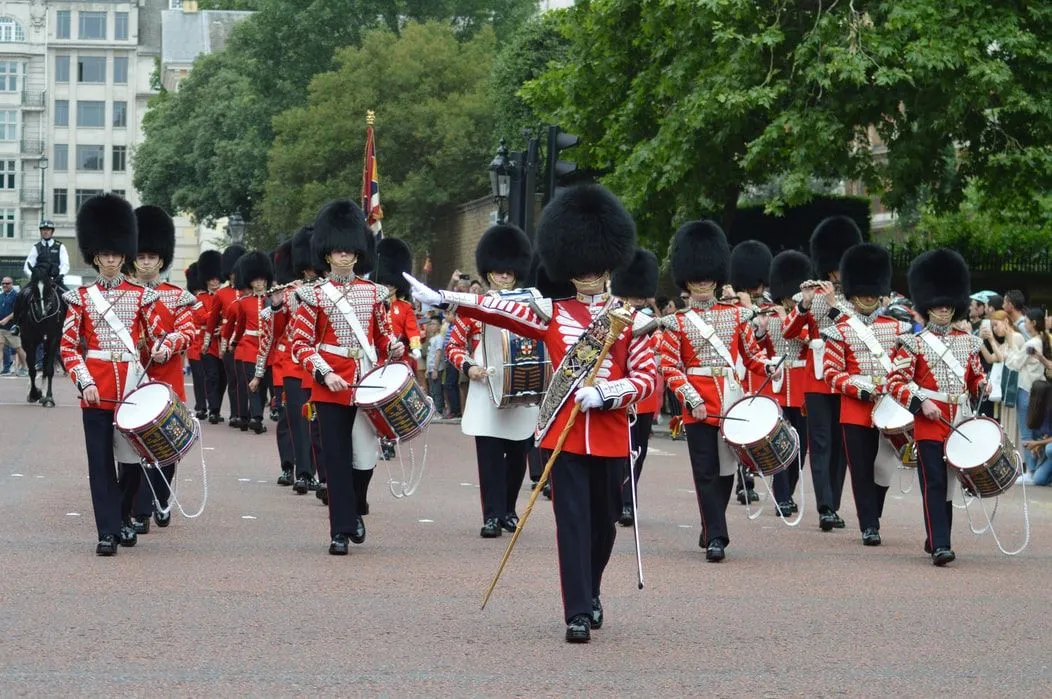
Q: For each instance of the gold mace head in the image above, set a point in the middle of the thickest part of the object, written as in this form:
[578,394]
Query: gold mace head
[620,318]
[370,117]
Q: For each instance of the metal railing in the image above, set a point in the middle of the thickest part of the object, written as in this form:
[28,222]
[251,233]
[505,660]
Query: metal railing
[33,98]
[32,146]
[31,197]
[1023,261]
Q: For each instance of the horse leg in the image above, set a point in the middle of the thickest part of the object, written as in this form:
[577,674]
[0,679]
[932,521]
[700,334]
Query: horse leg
[31,364]
[52,342]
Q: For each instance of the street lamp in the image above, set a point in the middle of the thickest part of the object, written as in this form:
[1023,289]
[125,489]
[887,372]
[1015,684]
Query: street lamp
[42,164]
[500,179]
[235,228]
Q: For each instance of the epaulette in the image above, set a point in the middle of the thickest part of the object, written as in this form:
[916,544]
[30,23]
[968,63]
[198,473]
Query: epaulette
[307,293]
[544,307]
[186,299]
[748,313]
[149,296]
[266,313]
[975,343]
[670,322]
[382,292]
[832,333]
[72,297]
[908,341]
[643,324]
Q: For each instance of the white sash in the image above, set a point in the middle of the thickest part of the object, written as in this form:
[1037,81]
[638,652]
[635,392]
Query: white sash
[709,334]
[344,307]
[964,407]
[731,388]
[865,333]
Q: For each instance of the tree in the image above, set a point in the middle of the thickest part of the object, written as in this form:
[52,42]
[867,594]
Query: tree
[688,104]
[430,95]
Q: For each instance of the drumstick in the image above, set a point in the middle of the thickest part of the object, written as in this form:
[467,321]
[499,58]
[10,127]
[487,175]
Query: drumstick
[110,400]
[950,425]
[727,417]
[768,379]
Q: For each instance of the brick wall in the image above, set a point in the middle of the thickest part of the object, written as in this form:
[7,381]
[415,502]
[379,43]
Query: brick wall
[456,238]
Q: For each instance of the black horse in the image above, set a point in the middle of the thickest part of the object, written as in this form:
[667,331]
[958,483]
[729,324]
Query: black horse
[40,312]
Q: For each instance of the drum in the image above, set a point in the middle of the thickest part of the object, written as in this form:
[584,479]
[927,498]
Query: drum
[896,424]
[519,368]
[158,426]
[760,436]
[394,402]
[984,459]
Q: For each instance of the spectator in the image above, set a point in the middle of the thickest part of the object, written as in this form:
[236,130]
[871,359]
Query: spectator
[460,281]
[1015,307]
[1033,361]
[662,303]
[8,336]
[1039,447]
[993,304]
[450,378]
[999,340]
[436,362]
[977,311]
[476,287]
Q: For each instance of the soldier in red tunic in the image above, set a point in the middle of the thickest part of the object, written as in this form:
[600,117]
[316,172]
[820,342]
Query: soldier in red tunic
[104,326]
[935,374]
[584,233]
[272,362]
[255,274]
[193,354]
[706,350]
[221,374]
[857,363]
[210,269]
[153,258]
[341,329]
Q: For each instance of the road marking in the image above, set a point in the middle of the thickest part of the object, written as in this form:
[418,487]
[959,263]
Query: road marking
[17,475]
[684,526]
[659,452]
[209,448]
[681,490]
[262,481]
[38,476]
[468,484]
[73,514]
[244,480]
[426,521]
[247,517]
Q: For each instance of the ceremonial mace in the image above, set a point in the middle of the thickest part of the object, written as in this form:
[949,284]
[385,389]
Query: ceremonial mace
[620,319]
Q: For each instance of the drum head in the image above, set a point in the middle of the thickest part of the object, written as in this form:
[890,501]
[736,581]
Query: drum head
[145,404]
[758,416]
[494,353]
[986,438]
[381,383]
[889,415]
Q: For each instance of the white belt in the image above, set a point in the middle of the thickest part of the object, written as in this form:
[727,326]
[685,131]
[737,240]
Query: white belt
[715,371]
[797,364]
[345,352]
[111,356]
[948,398]
[250,333]
[869,381]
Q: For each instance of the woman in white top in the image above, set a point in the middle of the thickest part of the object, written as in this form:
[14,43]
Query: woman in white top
[1033,361]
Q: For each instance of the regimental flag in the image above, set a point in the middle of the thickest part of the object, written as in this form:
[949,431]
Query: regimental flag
[371,182]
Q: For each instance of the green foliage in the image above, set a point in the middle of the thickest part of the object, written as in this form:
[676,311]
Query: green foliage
[430,95]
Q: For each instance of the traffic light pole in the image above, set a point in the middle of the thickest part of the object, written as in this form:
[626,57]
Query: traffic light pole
[530,189]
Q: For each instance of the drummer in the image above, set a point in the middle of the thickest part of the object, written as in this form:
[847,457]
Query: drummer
[705,351]
[100,353]
[934,374]
[503,436]
[156,248]
[340,330]
[856,366]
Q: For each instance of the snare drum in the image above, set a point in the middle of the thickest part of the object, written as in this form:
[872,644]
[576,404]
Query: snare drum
[158,426]
[394,402]
[896,424]
[762,439]
[519,368]
[987,465]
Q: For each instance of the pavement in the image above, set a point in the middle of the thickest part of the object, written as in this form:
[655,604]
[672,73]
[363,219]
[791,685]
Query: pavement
[245,601]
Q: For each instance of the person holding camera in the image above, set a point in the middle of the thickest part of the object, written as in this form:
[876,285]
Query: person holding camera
[1033,361]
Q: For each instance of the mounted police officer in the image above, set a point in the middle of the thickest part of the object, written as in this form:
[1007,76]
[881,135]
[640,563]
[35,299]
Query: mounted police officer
[47,249]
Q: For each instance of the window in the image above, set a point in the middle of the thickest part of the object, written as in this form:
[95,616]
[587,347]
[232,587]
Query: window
[91,69]
[119,193]
[120,113]
[175,4]
[62,31]
[120,70]
[62,69]
[83,195]
[8,76]
[120,158]
[7,174]
[91,158]
[61,112]
[91,113]
[10,30]
[61,157]
[8,125]
[120,26]
[60,202]
[7,223]
[91,25]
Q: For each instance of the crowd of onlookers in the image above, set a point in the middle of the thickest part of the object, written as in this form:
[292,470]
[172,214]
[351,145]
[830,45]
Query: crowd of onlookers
[14,357]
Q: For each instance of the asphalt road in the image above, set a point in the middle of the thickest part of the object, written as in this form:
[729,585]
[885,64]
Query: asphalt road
[245,601]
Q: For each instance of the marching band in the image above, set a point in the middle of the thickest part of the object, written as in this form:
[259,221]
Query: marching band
[800,361]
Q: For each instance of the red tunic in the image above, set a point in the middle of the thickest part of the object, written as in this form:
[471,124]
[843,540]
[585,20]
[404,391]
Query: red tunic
[652,403]
[200,314]
[227,341]
[272,324]
[86,332]
[807,324]
[850,367]
[626,376]
[464,337]
[245,336]
[180,305]
[221,299]
[319,323]
[405,327]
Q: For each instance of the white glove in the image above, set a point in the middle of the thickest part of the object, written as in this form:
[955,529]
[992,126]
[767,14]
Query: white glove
[588,397]
[422,292]
[415,354]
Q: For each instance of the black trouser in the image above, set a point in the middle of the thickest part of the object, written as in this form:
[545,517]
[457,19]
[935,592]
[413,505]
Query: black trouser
[502,468]
[586,499]
[144,498]
[938,512]
[249,403]
[536,464]
[785,481]
[295,398]
[111,499]
[316,451]
[215,382]
[283,432]
[640,440]
[230,368]
[197,373]
[712,489]
[451,386]
[828,467]
[860,451]
[335,423]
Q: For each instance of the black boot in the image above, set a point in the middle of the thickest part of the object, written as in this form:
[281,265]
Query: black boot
[257,425]
[361,488]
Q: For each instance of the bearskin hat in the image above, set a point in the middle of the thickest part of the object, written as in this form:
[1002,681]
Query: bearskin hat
[193,279]
[302,258]
[865,270]
[340,225]
[230,257]
[585,230]
[789,269]
[282,259]
[393,257]
[940,278]
[156,233]
[504,248]
[831,239]
[540,280]
[106,223]
[210,266]
[253,265]
[750,265]
[700,251]
[639,280]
